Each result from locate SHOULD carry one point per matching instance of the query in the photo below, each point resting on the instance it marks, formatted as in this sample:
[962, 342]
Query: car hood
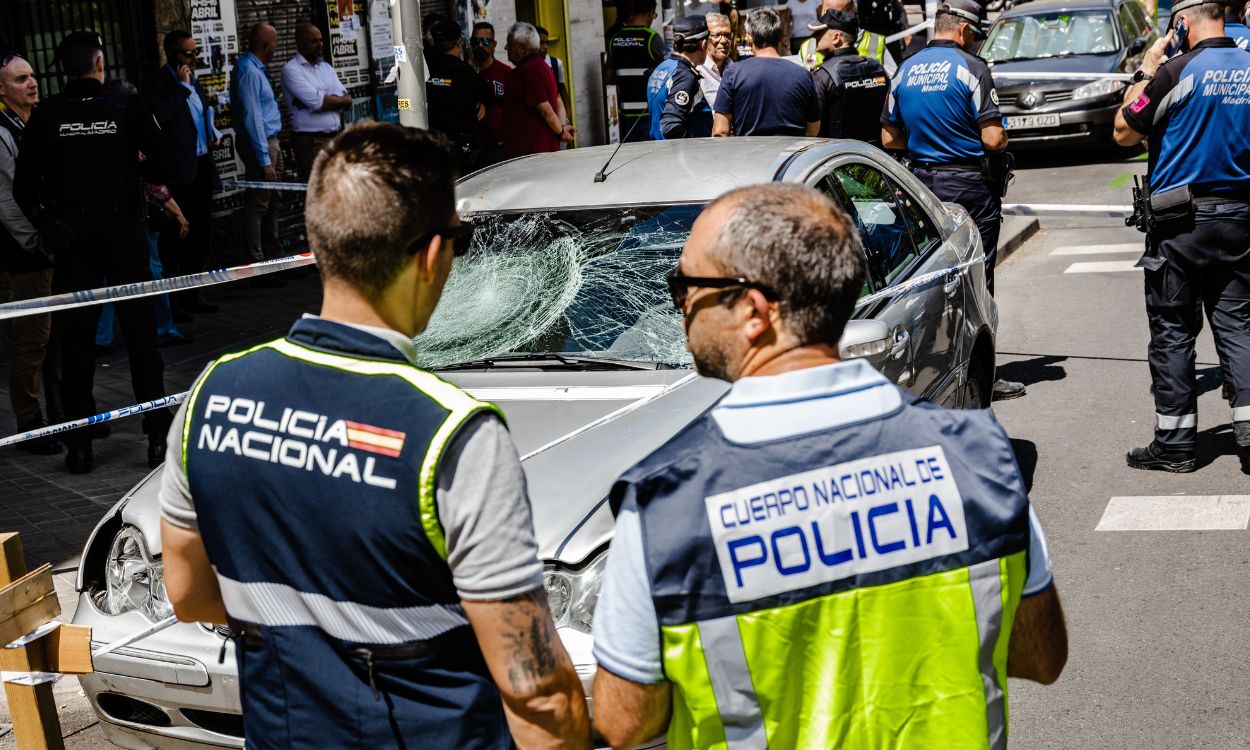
[1070, 64]
[576, 434]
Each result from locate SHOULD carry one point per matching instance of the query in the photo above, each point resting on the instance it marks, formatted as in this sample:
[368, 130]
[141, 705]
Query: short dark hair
[1207, 11]
[764, 26]
[484, 25]
[542, 30]
[795, 241]
[79, 61]
[171, 41]
[947, 23]
[638, 7]
[374, 191]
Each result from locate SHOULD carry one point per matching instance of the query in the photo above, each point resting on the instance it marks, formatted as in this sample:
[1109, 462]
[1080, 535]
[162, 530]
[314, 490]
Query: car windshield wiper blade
[548, 359]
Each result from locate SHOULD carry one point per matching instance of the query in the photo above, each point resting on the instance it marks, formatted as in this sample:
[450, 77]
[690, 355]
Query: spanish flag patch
[366, 437]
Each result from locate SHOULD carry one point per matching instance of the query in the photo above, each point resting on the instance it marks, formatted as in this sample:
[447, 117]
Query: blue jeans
[164, 318]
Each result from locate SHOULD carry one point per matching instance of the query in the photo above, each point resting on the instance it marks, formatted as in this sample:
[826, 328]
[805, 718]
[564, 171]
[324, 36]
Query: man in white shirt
[720, 44]
[314, 97]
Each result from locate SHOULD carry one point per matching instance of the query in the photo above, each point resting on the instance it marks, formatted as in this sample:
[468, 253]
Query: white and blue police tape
[38, 678]
[922, 26]
[138, 635]
[108, 416]
[1066, 209]
[86, 297]
[297, 187]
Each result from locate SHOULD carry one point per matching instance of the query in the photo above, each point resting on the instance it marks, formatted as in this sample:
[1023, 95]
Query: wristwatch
[1140, 75]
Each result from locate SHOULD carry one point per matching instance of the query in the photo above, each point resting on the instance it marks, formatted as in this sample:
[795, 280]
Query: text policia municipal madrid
[824, 525]
[299, 439]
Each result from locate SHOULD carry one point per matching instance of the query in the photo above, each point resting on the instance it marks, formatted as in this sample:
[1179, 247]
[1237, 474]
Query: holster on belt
[1150, 211]
[998, 169]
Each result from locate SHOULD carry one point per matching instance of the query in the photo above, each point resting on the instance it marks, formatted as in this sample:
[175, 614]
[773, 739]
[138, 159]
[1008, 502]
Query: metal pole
[410, 63]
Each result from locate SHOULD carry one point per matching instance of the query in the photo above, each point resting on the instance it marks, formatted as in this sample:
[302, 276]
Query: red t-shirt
[526, 132]
[496, 77]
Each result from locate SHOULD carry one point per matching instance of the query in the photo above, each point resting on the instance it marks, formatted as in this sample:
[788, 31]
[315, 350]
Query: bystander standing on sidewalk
[531, 104]
[764, 94]
[557, 69]
[418, 619]
[33, 356]
[258, 121]
[315, 98]
[496, 73]
[720, 44]
[182, 110]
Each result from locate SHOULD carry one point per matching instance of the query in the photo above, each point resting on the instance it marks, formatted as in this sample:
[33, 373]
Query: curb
[1016, 231]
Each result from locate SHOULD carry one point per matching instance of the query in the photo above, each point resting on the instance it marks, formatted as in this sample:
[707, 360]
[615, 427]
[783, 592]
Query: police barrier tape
[38, 678]
[922, 26]
[178, 283]
[298, 187]
[87, 297]
[125, 411]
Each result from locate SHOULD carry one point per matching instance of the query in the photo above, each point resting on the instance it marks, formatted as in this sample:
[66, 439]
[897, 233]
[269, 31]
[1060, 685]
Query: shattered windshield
[1057, 34]
[589, 282]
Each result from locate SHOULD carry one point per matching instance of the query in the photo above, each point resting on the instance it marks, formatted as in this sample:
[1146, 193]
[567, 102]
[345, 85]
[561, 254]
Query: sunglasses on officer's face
[483, 41]
[679, 286]
[460, 236]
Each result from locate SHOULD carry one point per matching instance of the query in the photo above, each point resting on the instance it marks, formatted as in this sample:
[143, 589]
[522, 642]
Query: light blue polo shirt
[756, 410]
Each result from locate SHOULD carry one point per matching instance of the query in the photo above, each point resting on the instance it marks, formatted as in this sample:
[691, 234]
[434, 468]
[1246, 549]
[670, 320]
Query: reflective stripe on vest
[870, 45]
[735, 680]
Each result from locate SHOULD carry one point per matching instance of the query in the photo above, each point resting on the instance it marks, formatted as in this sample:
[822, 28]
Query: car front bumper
[1089, 124]
[178, 689]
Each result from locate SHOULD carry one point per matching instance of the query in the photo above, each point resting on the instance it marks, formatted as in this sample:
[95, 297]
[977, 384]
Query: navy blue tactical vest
[312, 461]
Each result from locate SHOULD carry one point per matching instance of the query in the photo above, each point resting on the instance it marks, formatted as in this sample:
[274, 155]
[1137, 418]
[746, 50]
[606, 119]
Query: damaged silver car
[560, 315]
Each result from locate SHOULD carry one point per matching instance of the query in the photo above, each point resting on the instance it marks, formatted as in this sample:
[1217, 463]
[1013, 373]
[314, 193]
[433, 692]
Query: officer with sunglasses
[361, 524]
[781, 561]
[496, 74]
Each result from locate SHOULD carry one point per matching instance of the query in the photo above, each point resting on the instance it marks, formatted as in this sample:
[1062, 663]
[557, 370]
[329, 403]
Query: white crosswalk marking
[1103, 266]
[1176, 513]
[1131, 247]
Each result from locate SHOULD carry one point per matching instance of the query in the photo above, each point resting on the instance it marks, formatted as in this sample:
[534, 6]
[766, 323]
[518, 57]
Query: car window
[830, 187]
[879, 216]
[1140, 20]
[924, 234]
[1051, 34]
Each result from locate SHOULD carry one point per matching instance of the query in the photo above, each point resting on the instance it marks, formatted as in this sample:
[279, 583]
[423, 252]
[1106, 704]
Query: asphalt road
[1156, 618]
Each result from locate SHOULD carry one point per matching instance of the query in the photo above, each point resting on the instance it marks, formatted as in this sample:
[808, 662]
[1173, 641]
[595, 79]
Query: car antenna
[601, 175]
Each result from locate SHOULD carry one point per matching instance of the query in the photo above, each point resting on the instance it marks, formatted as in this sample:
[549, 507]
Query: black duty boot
[156, 450]
[44, 446]
[1243, 453]
[1156, 458]
[1005, 390]
[79, 459]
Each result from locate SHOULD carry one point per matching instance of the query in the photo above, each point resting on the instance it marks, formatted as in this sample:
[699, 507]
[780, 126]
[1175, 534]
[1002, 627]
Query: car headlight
[1097, 88]
[573, 594]
[133, 581]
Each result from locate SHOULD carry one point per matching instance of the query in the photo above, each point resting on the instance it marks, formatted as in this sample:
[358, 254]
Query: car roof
[1050, 6]
[694, 170]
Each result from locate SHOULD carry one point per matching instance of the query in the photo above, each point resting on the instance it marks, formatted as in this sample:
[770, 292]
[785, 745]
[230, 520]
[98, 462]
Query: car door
[906, 253]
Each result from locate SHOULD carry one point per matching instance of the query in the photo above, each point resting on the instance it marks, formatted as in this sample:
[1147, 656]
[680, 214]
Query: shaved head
[262, 41]
[308, 41]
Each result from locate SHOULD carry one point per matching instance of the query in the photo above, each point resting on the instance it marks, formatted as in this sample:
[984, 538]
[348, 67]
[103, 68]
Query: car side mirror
[867, 339]
[1139, 45]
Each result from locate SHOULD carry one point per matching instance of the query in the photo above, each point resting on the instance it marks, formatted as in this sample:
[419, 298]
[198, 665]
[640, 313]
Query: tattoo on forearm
[530, 638]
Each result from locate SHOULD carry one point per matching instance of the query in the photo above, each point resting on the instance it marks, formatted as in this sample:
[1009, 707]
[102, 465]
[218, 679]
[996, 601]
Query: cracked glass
[589, 282]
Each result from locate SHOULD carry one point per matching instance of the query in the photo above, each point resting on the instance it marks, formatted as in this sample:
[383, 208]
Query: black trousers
[1206, 266]
[89, 249]
[969, 189]
[180, 257]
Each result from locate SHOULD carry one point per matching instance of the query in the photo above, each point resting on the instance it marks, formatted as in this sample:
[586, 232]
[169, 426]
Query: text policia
[832, 523]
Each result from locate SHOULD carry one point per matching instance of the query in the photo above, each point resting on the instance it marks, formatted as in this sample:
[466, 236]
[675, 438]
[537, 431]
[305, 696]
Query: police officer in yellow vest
[361, 524]
[869, 44]
[821, 560]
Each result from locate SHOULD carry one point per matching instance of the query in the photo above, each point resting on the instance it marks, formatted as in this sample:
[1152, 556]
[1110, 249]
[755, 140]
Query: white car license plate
[1026, 122]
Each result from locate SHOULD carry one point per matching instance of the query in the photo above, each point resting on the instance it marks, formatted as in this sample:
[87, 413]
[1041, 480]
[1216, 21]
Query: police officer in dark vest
[851, 88]
[634, 50]
[360, 524]
[1194, 111]
[818, 532]
[79, 173]
[457, 95]
[943, 111]
[675, 98]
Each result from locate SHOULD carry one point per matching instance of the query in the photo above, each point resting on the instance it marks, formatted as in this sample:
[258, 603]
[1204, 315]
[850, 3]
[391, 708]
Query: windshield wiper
[547, 360]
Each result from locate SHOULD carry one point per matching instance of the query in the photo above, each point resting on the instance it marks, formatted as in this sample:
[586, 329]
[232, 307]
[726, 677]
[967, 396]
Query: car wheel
[978, 390]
